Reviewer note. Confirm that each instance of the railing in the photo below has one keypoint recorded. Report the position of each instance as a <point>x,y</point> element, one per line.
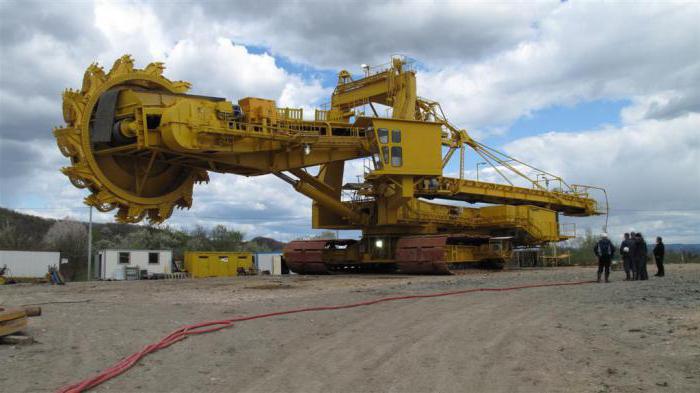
<point>544,181</point>
<point>407,64</point>
<point>321,115</point>
<point>583,191</point>
<point>567,229</point>
<point>290,113</point>
<point>292,129</point>
<point>505,221</point>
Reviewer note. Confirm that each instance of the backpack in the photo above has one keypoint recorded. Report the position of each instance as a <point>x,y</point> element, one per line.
<point>604,248</point>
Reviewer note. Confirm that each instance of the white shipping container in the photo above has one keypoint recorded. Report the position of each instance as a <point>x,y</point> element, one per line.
<point>33,264</point>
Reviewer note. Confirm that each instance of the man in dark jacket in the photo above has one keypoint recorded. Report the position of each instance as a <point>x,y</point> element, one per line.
<point>640,256</point>
<point>659,251</point>
<point>633,256</point>
<point>604,250</point>
<point>625,249</point>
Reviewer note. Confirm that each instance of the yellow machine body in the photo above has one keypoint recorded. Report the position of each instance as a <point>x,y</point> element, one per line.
<point>139,143</point>
<point>405,147</point>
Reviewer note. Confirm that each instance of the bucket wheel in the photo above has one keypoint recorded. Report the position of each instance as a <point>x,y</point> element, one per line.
<point>121,173</point>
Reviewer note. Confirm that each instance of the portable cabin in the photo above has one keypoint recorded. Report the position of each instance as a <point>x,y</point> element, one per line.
<point>270,262</point>
<point>217,264</point>
<point>111,263</point>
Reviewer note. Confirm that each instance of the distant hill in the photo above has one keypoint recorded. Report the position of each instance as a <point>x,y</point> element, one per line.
<point>268,243</point>
<point>694,248</point>
<point>27,230</point>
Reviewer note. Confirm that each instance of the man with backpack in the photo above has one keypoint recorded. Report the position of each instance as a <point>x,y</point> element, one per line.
<point>604,250</point>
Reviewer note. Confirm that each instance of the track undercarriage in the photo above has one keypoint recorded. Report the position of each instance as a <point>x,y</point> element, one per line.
<point>422,254</point>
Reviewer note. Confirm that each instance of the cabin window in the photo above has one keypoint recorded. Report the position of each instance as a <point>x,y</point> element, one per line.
<point>383,134</point>
<point>396,156</point>
<point>153,258</point>
<point>124,258</point>
<point>395,136</point>
<point>223,258</point>
<point>385,154</point>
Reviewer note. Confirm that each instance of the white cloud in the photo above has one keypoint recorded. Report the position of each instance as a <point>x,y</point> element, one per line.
<point>340,34</point>
<point>488,64</point>
<point>131,26</point>
<point>581,52</point>
<point>650,169</point>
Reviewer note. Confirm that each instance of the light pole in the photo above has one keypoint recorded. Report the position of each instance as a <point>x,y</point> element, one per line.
<point>477,168</point>
<point>89,260</point>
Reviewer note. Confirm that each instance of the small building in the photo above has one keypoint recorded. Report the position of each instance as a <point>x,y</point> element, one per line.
<point>29,264</point>
<point>110,263</point>
<point>270,262</point>
<point>217,263</point>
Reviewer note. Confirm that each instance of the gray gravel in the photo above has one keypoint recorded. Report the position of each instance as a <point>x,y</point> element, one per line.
<point>617,337</point>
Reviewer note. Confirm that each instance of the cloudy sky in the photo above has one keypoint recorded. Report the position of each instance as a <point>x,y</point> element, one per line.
<point>599,93</point>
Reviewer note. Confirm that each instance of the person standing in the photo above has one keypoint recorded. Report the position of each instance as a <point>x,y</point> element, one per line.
<point>625,248</point>
<point>634,266</point>
<point>604,250</point>
<point>641,256</point>
<point>659,251</point>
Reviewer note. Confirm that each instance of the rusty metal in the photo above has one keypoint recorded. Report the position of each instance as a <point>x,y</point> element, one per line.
<point>422,255</point>
<point>306,256</point>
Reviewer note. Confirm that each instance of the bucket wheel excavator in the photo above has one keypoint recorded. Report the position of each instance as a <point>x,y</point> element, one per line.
<point>139,143</point>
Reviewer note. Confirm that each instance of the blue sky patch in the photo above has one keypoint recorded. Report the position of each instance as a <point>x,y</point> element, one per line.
<point>581,117</point>
<point>328,78</point>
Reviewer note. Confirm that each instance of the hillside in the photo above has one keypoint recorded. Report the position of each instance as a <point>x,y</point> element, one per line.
<point>267,243</point>
<point>20,231</point>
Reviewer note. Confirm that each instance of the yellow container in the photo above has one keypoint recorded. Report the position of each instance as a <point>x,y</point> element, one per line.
<point>216,264</point>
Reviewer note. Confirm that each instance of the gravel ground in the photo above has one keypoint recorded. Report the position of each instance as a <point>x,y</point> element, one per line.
<point>617,337</point>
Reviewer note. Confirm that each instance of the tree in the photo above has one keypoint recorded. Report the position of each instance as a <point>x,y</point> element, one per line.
<point>224,239</point>
<point>105,239</point>
<point>198,240</point>
<point>69,237</point>
<point>12,239</point>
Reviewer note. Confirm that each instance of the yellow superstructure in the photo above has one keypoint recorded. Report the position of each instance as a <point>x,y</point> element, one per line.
<point>139,143</point>
<point>217,264</point>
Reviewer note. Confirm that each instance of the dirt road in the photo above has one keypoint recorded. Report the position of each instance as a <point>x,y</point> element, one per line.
<point>617,337</point>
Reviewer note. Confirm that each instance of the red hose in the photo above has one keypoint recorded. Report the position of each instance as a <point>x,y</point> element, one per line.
<point>211,326</point>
